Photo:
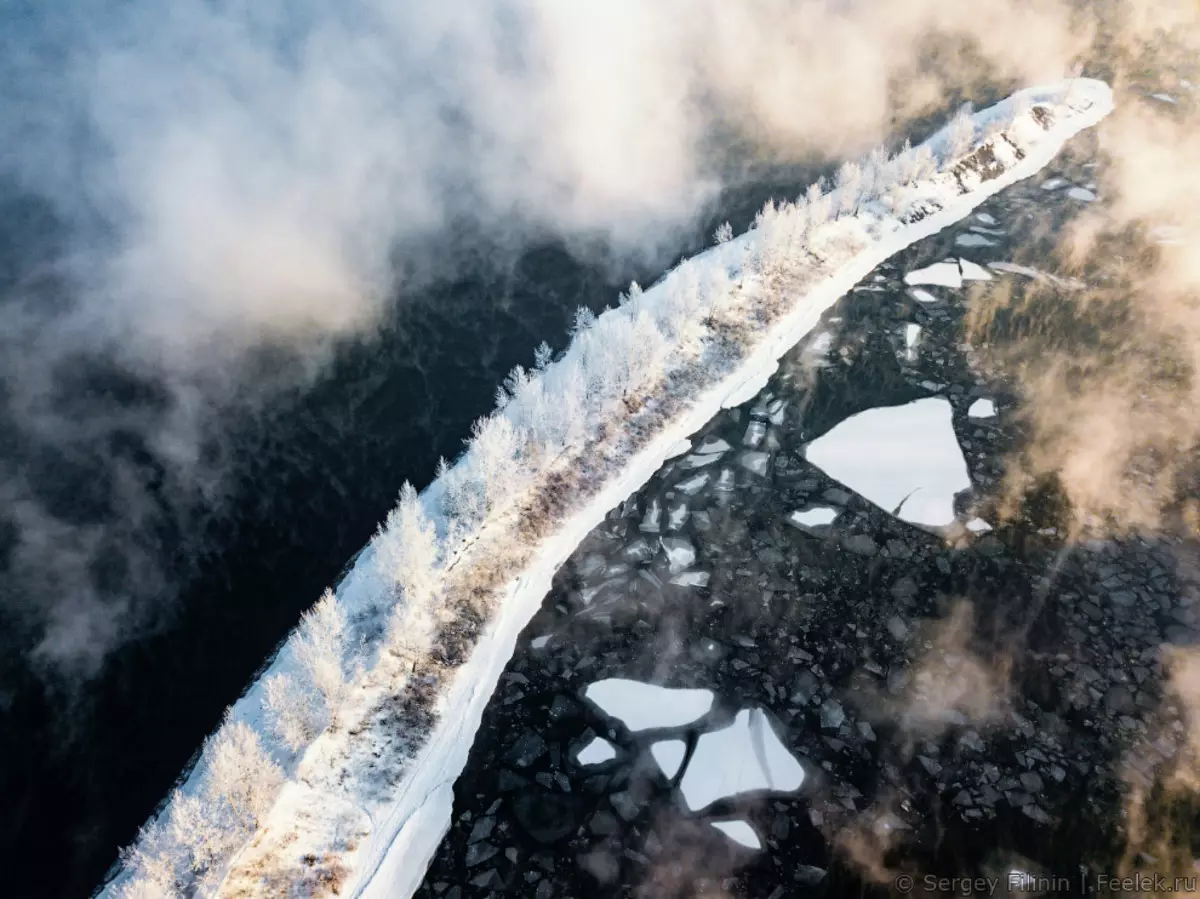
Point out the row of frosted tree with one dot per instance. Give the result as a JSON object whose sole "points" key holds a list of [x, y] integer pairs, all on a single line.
{"points": [[544, 418]]}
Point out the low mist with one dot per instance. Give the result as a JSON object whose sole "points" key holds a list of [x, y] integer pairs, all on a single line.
{"points": [[187, 184]]}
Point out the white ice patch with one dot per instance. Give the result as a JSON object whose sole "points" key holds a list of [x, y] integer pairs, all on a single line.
{"points": [[1053, 183], [745, 757], [597, 752], [640, 706], [1165, 98], [755, 432], [691, 579], [692, 486], [540, 642], [820, 344], [978, 526], [668, 755], [982, 408], [922, 296], [905, 459], [740, 832], [985, 218], [817, 516], [912, 333], [680, 553], [756, 463], [972, 271], [942, 274], [678, 449], [973, 240], [1082, 194]]}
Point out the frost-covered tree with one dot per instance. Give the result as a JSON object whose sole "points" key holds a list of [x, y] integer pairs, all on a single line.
{"points": [[960, 136], [408, 551], [849, 184], [462, 500], [293, 711], [723, 234], [924, 165], [542, 356], [495, 443], [819, 205], [154, 865], [241, 780], [320, 652]]}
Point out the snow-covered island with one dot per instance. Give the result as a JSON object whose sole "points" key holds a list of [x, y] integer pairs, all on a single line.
{"points": [[333, 774]]}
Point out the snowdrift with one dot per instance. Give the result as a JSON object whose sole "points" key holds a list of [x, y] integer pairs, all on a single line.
{"points": [[333, 773]]}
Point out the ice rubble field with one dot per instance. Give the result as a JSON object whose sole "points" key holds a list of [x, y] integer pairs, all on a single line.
{"points": [[365, 804]]}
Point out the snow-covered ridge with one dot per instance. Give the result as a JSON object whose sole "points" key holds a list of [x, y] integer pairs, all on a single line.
{"points": [[334, 771]]}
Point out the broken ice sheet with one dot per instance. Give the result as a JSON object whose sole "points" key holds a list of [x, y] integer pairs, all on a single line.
{"points": [[755, 463], [692, 485], [985, 218], [922, 296], [817, 516], [911, 334], [740, 832], [972, 271], [744, 757], [641, 706], [973, 240], [982, 408], [904, 459], [668, 755], [596, 752], [942, 274], [691, 579], [680, 553]]}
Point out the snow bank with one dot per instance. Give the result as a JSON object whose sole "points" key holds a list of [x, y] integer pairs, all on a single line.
{"points": [[455, 575]]}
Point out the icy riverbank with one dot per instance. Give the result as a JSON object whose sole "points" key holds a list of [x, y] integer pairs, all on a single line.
{"points": [[365, 805]]}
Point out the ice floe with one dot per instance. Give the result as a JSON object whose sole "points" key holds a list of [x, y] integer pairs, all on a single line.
{"points": [[972, 271], [680, 553], [596, 752], [982, 408], [668, 755], [978, 526], [912, 333], [1053, 183], [756, 463], [905, 459], [540, 642], [985, 218], [973, 240], [922, 296], [641, 706], [745, 757], [691, 579], [942, 274], [1082, 194], [1165, 98], [740, 832], [816, 517]]}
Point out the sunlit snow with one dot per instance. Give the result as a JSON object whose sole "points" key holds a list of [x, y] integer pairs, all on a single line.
{"points": [[668, 755], [744, 757], [982, 408], [597, 752], [640, 706], [905, 459], [740, 832]]}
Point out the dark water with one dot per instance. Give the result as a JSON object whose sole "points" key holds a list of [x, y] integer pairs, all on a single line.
{"points": [[960, 709], [306, 477]]}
